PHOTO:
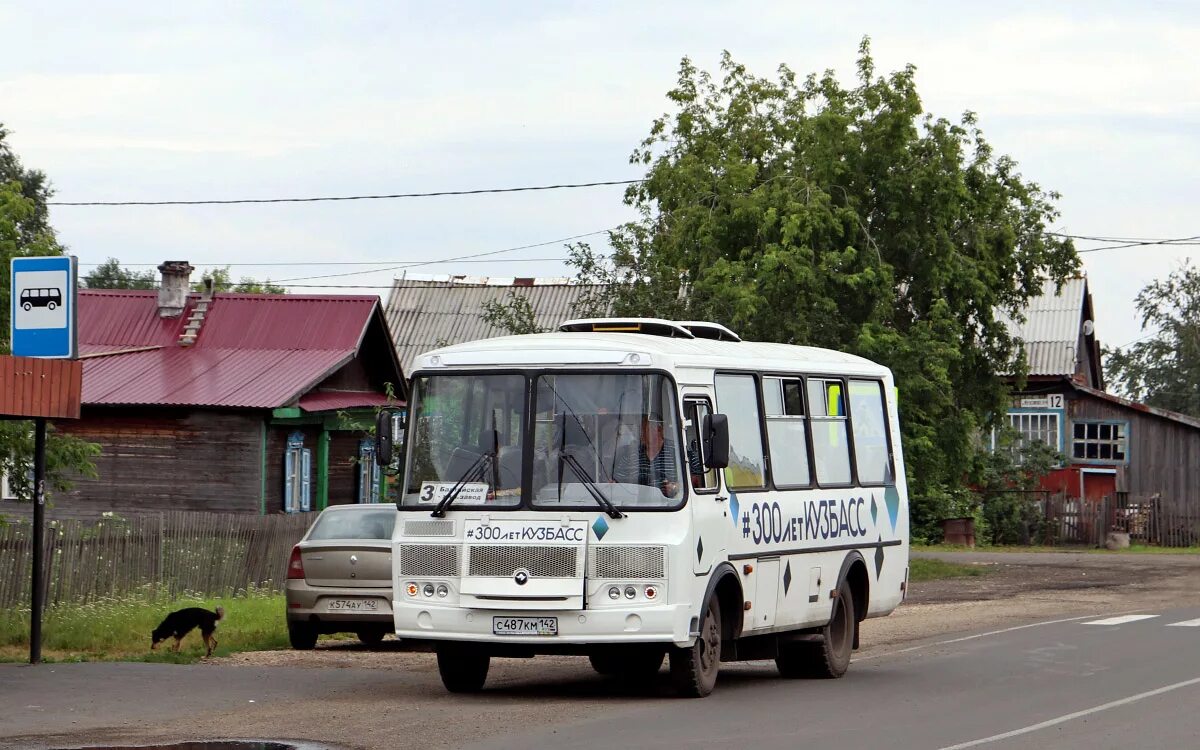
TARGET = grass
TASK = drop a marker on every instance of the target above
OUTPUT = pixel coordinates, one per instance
(1134, 549)
(931, 570)
(119, 630)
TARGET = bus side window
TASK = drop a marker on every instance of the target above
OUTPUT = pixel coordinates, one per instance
(737, 399)
(870, 432)
(694, 413)
(831, 448)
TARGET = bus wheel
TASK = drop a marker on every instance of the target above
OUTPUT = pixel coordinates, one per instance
(463, 670)
(26, 306)
(628, 661)
(50, 306)
(694, 670)
(829, 657)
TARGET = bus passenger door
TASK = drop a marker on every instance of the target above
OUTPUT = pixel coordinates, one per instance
(710, 511)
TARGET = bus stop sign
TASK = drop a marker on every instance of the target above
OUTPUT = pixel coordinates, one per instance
(43, 309)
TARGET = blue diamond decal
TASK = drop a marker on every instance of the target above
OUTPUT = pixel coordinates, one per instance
(733, 507)
(787, 578)
(892, 498)
(599, 527)
(879, 559)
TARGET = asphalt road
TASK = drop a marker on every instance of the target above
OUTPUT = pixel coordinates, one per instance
(1063, 684)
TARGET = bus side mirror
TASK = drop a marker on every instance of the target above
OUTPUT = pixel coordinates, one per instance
(716, 441)
(383, 438)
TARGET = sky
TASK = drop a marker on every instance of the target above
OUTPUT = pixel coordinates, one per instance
(1099, 101)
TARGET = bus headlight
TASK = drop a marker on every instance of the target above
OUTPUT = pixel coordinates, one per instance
(443, 591)
(630, 592)
(614, 592)
(428, 590)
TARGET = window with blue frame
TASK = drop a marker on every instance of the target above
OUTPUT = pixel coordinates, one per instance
(368, 473)
(1100, 441)
(1037, 427)
(297, 475)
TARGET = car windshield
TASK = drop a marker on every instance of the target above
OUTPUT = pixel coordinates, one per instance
(616, 434)
(354, 524)
(466, 430)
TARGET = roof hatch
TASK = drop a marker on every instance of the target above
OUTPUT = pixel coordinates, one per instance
(691, 329)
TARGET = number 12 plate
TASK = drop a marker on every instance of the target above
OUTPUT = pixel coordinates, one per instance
(524, 626)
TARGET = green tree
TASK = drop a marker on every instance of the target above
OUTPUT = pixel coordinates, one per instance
(223, 282)
(110, 275)
(24, 231)
(1163, 369)
(514, 315)
(805, 212)
(1003, 484)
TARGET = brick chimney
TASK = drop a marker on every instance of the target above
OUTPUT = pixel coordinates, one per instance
(173, 292)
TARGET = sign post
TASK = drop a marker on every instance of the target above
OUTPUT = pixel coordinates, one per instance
(43, 324)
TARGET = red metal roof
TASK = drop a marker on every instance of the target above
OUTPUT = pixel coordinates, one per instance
(253, 350)
(332, 400)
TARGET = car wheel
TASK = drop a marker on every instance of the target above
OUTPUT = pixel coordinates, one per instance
(828, 658)
(302, 635)
(628, 662)
(371, 636)
(694, 669)
(463, 669)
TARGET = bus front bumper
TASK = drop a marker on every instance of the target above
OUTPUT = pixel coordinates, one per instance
(656, 624)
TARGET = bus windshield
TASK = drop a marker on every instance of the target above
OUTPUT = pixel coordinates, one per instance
(596, 439)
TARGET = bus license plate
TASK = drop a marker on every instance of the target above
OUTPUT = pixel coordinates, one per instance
(524, 626)
(369, 605)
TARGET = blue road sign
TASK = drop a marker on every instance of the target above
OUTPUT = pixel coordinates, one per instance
(44, 312)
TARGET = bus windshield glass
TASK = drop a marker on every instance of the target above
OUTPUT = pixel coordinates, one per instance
(467, 440)
(597, 440)
(613, 434)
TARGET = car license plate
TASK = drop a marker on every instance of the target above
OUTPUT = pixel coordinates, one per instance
(524, 626)
(368, 605)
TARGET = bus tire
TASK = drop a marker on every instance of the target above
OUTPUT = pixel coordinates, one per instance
(628, 662)
(694, 669)
(302, 635)
(828, 658)
(463, 670)
(26, 306)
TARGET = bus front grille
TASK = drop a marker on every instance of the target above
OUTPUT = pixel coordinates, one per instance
(627, 562)
(439, 560)
(503, 560)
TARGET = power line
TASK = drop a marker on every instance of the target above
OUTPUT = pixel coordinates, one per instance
(1181, 241)
(446, 260)
(390, 196)
(322, 263)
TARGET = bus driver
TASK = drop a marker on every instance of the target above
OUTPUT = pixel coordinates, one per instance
(654, 465)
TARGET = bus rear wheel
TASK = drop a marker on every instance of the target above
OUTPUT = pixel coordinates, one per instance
(463, 670)
(627, 662)
(829, 657)
(694, 669)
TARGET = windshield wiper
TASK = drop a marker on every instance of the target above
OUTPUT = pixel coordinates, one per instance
(476, 471)
(588, 484)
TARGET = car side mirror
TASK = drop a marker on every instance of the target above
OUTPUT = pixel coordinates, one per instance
(383, 438)
(716, 441)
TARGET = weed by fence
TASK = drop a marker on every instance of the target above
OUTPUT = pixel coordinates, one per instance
(163, 555)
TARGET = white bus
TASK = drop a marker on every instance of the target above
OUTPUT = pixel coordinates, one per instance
(639, 489)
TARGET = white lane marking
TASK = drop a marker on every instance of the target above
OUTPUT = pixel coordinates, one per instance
(971, 637)
(1121, 620)
(1072, 716)
(1185, 624)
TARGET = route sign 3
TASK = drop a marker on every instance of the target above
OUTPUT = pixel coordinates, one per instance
(44, 307)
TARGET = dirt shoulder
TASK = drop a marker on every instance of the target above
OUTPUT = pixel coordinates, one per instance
(349, 696)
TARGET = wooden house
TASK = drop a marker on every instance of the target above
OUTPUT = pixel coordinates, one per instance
(250, 403)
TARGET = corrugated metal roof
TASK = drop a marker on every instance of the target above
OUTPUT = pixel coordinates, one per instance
(424, 315)
(333, 400)
(1051, 328)
(253, 350)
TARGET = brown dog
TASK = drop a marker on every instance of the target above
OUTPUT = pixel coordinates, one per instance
(183, 621)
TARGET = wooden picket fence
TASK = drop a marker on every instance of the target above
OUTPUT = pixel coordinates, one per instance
(158, 555)
(1147, 519)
